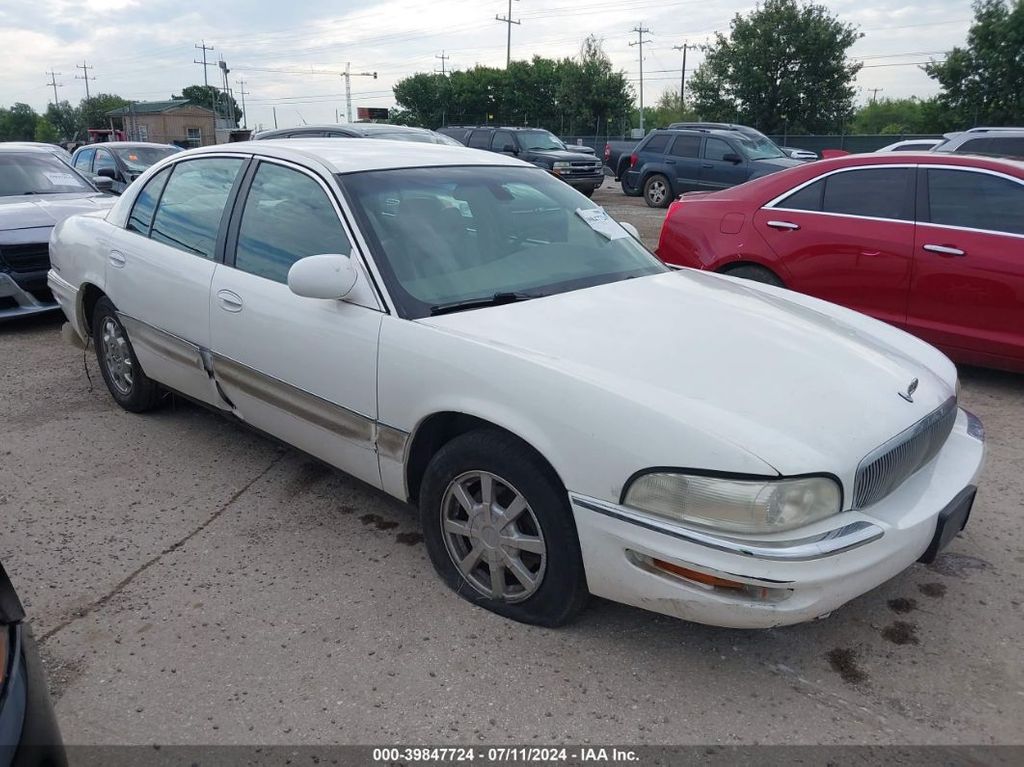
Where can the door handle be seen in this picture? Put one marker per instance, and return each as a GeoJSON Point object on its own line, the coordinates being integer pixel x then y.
{"type": "Point", "coordinates": [707, 165]}
{"type": "Point", "coordinates": [784, 225]}
{"type": "Point", "coordinates": [229, 301]}
{"type": "Point", "coordinates": [944, 250]}
{"type": "Point", "coordinates": [670, 162]}
{"type": "Point", "coordinates": [871, 252]}
{"type": "Point", "coordinates": [117, 259]}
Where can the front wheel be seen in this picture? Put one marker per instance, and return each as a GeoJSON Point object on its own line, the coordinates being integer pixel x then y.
{"type": "Point", "coordinates": [756, 273]}
{"type": "Point", "coordinates": [657, 193]}
{"type": "Point", "coordinates": [131, 388]}
{"type": "Point", "coordinates": [587, 192]}
{"type": "Point", "coordinates": [499, 530]}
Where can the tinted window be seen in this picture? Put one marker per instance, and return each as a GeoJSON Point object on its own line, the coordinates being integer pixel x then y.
{"type": "Point", "coordinates": [479, 139]}
{"type": "Point", "coordinates": [103, 160]}
{"type": "Point", "coordinates": [189, 213]}
{"type": "Point", "coordinates": [875, 192]}
{"type": "Point", "coordinates": [145, 203]}
{"type": "Point", "coordinates": [84, 159]}
{"type": "Point", "coordinates": [716, 149]}
{"type": "Point", "coordinates": [287, 216]}
{"type": "Point", "coordinates": [975, 200]}
{"type": "Point", "coordinates": [808, 198]}
{"type": "Point", "coordinates": [1006, 146]}
{"type": "Point", "coordinates": [657, 143]}
{"type": "Point", "coordinates": [501, 139]}
{"type": "Point", "coordinates": [686, 146]}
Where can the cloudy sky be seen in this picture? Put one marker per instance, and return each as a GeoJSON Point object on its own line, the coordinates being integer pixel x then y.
{"type": "Point", "coordinates": [289, 53]}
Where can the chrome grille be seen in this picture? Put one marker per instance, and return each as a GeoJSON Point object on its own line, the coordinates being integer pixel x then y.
{"type": "Point", "coordinates": [26, 258]}
{"type": "Point", "coordinates": [888, 466]}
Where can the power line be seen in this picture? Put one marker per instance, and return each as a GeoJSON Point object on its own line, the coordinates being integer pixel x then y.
{"type": "Point", "coordinates": [443, 60]}
{"type": "Point", "coordinates": [54, 84]}
{"type": "Point", "coordinates": [508, 20]}
{"type": "Point", "coordinates": [874, 93]}
{"type": "Point", "coordinates": [204, 48]}
{"type": "Point", "coordinates": [682, 73]}
{"type": "Point", "coordinates": [85, 75]}
{"type": "Point", "coordinates": [243, 92]}
{"type": "Point", "coordinates": [640, 32]}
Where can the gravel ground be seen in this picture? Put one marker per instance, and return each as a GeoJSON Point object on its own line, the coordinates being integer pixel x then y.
{"type": "Point", "coordinates": [193, 582]}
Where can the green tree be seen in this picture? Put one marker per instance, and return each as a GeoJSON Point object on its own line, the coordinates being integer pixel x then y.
{"type": "Point", "coordinates": [45, 132]}
{"type": "Point", "coordinates": [591, 94]}
{"type": "Point", "coordinates": [94, 110]}
{"type": "Point", "coordinates": [783, 68]}
{"type": "Point", "coordinates": [212, 98]}
{"type": "Point", "coordinates": [669, 109]}
{"type": "Point", "coordinates": [66, 120]}
{"type": "Point", "coordinates": [18, 123]}
{"type": "Point", "coordinates": [983, 84]}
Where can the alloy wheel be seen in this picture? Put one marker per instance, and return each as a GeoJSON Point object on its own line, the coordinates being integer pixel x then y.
{"type": "Point", "coordinates": [116, 357]}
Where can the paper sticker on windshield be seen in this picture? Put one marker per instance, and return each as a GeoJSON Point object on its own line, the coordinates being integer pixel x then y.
{"type": "Point", "coordinates": [602, 223]}
{"type": "Point", "coordinates": [61, 179]}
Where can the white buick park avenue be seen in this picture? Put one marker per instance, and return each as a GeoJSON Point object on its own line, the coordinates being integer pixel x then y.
{"type": "Point", "coordinates": [469, 334]}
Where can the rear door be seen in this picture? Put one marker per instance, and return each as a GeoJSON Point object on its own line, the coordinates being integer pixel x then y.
{"type": "Point", "coordinates": [716, 172]}
{"type": "Point", "coordinates": [847, 237]}
{"type": "Point", "coordinates": [967, 294]}
{"type": "Point", "coordinates": [683, 158]}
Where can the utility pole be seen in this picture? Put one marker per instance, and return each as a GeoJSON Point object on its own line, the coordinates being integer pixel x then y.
{"type": "Point", "coordinates": [54, 84]}
{"type": "Point", "coordinates": [229, 111]}
{"type": "Point", "coordinates": [85, 76]}
{"type": "Point", "coordinates": [874, 93]}
{"type": "Point", "coordinates": [348, 74]}
{"type": "Point", "coordinates": [443, 59]}
{"type": "Point", "coordinates": [640, 32]}
{"type": "Point", "coordinates": [243, 92]}
{"type": "Point", "coordinates": [508, 20]}
{"type": "Point", "coordinates": [274, 110]}
{"type": "Point", "coordinates": [682, 75]}
{"type": "Point", "coordinates": [204, 48]}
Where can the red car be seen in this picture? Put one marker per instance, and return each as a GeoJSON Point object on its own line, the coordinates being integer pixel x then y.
{"type": "Point", "coordinates": [931, 243]}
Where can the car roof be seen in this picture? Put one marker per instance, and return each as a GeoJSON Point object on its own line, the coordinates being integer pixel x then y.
{"type": "Point", "coordinates": [125, 145]}
{"type": "Point", "coordinates": [368, 154]}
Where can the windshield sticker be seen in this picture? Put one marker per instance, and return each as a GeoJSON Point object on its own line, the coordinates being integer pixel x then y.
{"type": "Point", "coordinates": [602, 223]}
{"type": "Point", "coordinates": [61, 179]}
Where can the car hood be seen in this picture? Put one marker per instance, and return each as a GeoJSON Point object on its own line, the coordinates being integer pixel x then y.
{"type": "Point", "coordinates": [37, 211]}
{"type": "Point", "coordinates": [801, 384]}
{"type": "Point", "coordinates": [560, 155]}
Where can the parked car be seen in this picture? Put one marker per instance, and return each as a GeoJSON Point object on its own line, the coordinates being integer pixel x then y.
{"type": "Point", "coordinates": [36, 191]}
{"type": "Point", "coordinates": [670, 162]}
{"type": "Point", "coordinates": [932, 244]}
{"type": "Point", "coordinates": [57, 151]}
{"type": "Point", "coordinates": [359, 130]}
{"type": "Point", "coordinates": [912, 145]}
{"type": "Point", "coordinates": [537, 146]}
{"type": "Point", "coordinates": [995, 142]}
{"type": "Point", "coordinates": [467, 333]}
{"type": "Point", "coordinates": [751, 133]}
{"type": "Point", "coordinates": [617, 157]}
{"type": "Point", "coordinates": [799, 154]}
{"type": "Point", "coordinates": [29, 735]}
{"type": "Point", "coordinates": [120, 161]}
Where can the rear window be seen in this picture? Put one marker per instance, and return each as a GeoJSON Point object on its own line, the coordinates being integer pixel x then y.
{"type": "Point", "coordinates": [480, 139]}
{"type": "Point", "coordinates": [869, 192]}
{"type": "Point", "coordinates": [976, 201]}
{"type": "Point", "coordinates": [1001, 146]}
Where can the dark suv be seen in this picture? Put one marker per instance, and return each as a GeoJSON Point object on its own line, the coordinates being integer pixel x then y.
{"type": "Point", "coordinates": [581, 171]}
{"type": "Point", "coordinates": [670, 162]}
{"type": "Point", "coordinates": [998, 142]}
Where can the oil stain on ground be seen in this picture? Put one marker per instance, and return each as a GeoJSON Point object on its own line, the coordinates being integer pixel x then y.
{"type": "Point", "coordinates": [901, 632]}
{"type": "Point", "coordinates": [378, 521]}
{"type": "Point", "coordinates": [843, 661]}
{"type": "Point", "coordinates": [409, 539]}
{"type": "Point", "coordinates": [933, 590]}
{"type": "Point", "coordinates": [902, 605]}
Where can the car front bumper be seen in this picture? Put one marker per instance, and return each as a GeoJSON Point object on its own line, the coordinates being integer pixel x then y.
{"type": "Point", "coordinates": [784, 578]}
{"type": "Point", "coordinates": [16, 301]}
{"type": "Point", "coordinates": [587, 183]}
{"type": "Point", "coordinates": [29, 735]}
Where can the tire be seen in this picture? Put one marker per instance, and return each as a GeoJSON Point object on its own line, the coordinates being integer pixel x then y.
{"type": "Point", "coordinates": [588, 193]}
{"type": "Point", "coordinates": [756, 273]}
{"type": "Point", "coordinates": [130, 387]}
{"type": "Point", "coordinates": [657, 191]}
{"type": "Point", "coordinates": [628, 190]}
{"type": "Point", "coordinates": [517, 475]}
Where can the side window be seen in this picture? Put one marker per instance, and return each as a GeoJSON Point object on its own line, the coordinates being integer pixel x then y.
{"type": "Point", "coordinates": [142, 211]}
{"type": "Point", "coordinates": [84, 159]}
{"type": "Point", "coordinates": [188, 217]}
{"type": "Point", "coordinates": [287, 216]}
{"type": "Point", "coordinates": [1010, 146]}
{"type": "Point", "coordinates": [686, 146]}
{"type": "Point", "coordinates": [808, 198]}
{"type": "Point", "coordinates": [874, 192]}
{"type": "Point", "coordinates": [657, 143]}
{"type": "Point", "coordinates": [103, 160]}
{"type": "Point", "coordinates": [976, 201]}
{"type": "Point", "coordinates": [501, 139]}
{"type": "Point", "coordinates": [479, 139]}
{"type": "Point", "coordinates": [716, 149]}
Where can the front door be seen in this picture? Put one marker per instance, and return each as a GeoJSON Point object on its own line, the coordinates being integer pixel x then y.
{"type": "Point", "coordinates": [161, 265]}
{"type": "Point", "coordinates": [106, 161]}
{"type": "Point", "coordinates": [717, 172]}
{"type": "Point", "coordinates": [302, 369]}
{"type": "Point", "coordinates": [848, 238]}
{"type": "Point", "coordinates": [968, 290]}
{"type": "Point", "coordinates": [683, 157]}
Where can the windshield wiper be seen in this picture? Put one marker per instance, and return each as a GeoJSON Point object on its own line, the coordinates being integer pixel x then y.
{"type": "Point", "coordinates": [498, 299]}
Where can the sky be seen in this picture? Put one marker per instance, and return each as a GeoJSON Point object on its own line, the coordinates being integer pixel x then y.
{"type": "Point", "coordinates": [289, 55]}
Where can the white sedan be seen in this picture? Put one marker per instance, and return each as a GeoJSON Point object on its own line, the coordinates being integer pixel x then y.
{"type": "Point", "coordinates": [471, 335]}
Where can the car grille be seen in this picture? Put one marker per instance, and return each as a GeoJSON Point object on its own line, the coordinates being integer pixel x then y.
{"type": "Point", "coordinates": [584, 169]}
{"type": "Point", "coordinates": [26, 258]}
{"type": "Point", "coordinates": [888, 466]}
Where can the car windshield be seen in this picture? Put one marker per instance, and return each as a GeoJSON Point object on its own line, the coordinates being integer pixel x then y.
{"type": "Point", "coordinates": [539, 139]}
{"type": "Point", "coordinates": [453, 234]}
{"type": "Point", "coordinates": [138, 158]}
{"type": "Point", "coordinates": [37, 173]}
{"type": "Point", "coordinates": [759, 148]}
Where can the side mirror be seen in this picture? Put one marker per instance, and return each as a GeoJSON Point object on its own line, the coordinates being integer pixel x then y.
{"type": "Point", "coordinates": [328, 276]}
{"type": "Point", "coordinates": [107, 173]}
{"type": "Point", "coordinates": [509, 149]}
{"type": "Point", "coordinates": [633, 231]}
{"type": "Point", "coordinates": [103, 183]}
{"type": "Point", "coordinates": [732, 157]}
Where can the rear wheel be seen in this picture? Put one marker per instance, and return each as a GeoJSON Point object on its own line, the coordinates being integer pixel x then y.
{"type": "Point", "coordinates": [657, 193]}
{"type": "Point", "coordinates": [628, 189]}
{"type": "Point", "coordinates": [131, 388]}
{"type": "Point", "coordinates": [755, 273]}
{"type": "Point", "coordinates": [499, 531]}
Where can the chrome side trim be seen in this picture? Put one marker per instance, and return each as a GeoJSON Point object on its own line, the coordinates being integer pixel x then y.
{"type": "Point", "coordinates": [161, 343]}
{"type": "Point", "coordinates": [295, 401]}
{"type": "Point", "coordinates": [825, 544]}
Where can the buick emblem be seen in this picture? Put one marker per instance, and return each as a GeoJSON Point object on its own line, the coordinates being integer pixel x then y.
{"type": "Point", "coordinates": [908, 395]}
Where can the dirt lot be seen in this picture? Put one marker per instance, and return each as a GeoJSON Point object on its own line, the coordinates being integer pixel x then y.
{"type": "Point", "coordinates": [193, 582]}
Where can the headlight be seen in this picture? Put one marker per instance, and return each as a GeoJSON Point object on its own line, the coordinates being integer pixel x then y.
{"type": "Point", "coordinates": [561, 166]}
{"type": "Point", "coordinates": [735, 505]}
